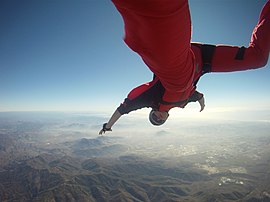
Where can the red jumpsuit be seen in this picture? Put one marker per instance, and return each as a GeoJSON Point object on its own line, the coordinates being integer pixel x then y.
{"type": "Point", "coordinates": [160, 32]}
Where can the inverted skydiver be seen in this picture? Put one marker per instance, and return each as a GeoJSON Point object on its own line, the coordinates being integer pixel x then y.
{"type": "Point", "coordinates": [160, 32]}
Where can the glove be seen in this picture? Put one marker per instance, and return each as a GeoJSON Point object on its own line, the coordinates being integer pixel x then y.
{"type": "Point", "coordinates": [202, 103]}
{"type": "Point", "coordinates": [104, 129]}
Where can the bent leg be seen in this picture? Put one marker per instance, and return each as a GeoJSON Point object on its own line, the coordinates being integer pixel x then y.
{"type": "Point", "coordinates": [160, 32]}
{"type": "Point", "coordinates": [233, 58]}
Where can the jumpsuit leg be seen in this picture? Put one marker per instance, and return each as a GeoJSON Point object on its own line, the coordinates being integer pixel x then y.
{"type": "Point", "coordinates": [254, 56]}
{"type": "Point", "coordinates": [160, 32]}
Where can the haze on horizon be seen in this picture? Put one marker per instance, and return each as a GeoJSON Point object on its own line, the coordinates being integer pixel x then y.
{"type": "Point", "coordinates": [48, 155]}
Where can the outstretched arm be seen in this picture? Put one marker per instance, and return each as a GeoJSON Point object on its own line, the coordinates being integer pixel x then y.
{"type": "Point", "coordinates": [108, 126]}
{"type": "Point", "coordinates": [137, 98]}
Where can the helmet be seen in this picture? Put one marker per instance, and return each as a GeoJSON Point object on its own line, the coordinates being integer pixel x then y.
{"type": "Point", "coordinates": [154, 119]}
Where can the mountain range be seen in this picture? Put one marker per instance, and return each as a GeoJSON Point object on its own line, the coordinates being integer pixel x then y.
{"type": "Point", "coordinates": [46, 161]}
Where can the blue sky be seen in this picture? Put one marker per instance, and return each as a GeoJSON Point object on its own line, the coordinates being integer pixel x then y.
{"type": "Point", "coordinates": [69, 55]}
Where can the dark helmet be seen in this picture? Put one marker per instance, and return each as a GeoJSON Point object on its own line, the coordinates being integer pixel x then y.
{"type": "Point", "coordinates": [154, 119]}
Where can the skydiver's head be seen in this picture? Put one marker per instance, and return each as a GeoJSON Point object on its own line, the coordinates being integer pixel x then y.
{"type": "Point", "coordinates": [158, 118]}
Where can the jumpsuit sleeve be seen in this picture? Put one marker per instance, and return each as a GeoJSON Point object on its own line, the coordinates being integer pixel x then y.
{"type": "Point", "coordinates": [195, 97]}
{"type": "Point", "coordinates": [137, 98]}
{"type": "Point", "coordinates": [130, 105]}
{"type": "Point", "coordinates": [145, 95]}
{"type": "Point", "coordinates": [233, 58]}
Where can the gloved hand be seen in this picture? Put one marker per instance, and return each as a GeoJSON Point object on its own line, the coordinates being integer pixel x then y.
{"type": "Point", "coordinates": [202, 103]}
{"type": "Point", "coordinates": [104, 129]}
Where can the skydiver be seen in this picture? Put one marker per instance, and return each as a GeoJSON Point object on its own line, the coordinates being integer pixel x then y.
{"type": "Point", "coordinates": [160, 32]}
